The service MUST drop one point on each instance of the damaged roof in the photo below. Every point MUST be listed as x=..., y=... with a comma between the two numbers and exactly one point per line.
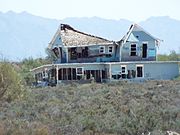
x=136, y=27
x=71, y=37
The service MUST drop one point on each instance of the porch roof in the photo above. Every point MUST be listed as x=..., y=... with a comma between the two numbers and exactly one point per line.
x=50, y=66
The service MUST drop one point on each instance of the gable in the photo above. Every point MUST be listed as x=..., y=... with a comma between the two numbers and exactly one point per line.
x=136, y=33
x=142, y=36
x=57, y=42
x=132, y=38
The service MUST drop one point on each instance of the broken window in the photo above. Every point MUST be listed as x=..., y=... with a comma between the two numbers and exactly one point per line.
x=133, y=50
x=85, y=52
x=131, y=74
x=80, y=71
x=102, y=49
x=139, y=69
x=123, y=71
x=110, y=49
x=56, y=51
x=73, y=53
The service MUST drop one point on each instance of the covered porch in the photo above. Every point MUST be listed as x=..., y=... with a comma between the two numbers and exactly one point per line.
x=71, y=72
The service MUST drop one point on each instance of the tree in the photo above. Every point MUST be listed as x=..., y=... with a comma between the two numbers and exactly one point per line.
x=172, y=56
x=10, y=83
x=28, y=64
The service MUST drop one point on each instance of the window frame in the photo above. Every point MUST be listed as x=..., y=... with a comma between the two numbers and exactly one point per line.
x=125, y=66
x=100, y=48
x=132, y=51
x=142, y=71
x=80, y=74
x=112, y=49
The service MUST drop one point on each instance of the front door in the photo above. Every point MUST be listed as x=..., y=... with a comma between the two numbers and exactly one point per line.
x=144, y=50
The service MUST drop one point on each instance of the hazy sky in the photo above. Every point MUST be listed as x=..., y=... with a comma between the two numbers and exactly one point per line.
x=134, y=10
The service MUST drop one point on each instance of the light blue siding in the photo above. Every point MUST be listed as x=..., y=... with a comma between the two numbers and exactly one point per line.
x=57, y=42
x=142, y=36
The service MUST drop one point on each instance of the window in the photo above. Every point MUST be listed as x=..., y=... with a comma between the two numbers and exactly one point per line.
x=102, y=49
x=110, y=49
x=80, y=71
x=139, y=70
x=123, y=71
x=144, y=50
x=73, y=53
x=56, y=51
x=133, y=49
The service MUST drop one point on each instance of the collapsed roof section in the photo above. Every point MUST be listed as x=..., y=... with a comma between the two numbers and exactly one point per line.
x=72, y=38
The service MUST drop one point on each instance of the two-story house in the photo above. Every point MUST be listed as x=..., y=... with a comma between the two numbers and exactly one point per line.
x=78, y=56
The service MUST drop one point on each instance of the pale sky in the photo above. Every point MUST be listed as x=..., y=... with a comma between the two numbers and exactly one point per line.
x=133, y=10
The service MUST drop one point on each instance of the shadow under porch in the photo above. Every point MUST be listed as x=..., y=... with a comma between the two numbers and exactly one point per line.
x=79, y=74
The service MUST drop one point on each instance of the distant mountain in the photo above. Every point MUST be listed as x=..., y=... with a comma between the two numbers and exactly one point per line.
x=24, y=35
x=166, y=29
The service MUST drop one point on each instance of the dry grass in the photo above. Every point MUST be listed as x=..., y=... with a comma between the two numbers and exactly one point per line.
x=116, y=108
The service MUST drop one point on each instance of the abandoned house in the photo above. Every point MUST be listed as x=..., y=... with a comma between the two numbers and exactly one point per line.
x=78, y=56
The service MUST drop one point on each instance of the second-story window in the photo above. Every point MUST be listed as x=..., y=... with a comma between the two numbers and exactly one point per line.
x=102, y=49
x=133, y=50
x=110, y=49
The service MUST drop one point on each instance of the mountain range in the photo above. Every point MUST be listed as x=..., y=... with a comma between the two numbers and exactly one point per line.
x=25, y=35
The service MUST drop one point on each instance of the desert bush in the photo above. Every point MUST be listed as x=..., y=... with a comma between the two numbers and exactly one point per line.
x=124, y=108
x=27, y=64
x=172, y=56
x=2, y=129
x=10, y=83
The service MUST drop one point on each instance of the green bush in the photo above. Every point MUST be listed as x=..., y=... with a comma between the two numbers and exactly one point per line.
x=10, y=83
x=28, y=64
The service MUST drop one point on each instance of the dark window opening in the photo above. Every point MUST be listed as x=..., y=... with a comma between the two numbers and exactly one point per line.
x=102, y=49
x=56, y=51
x=79, y=71
x=74, y=74
x=85, y=52
x=144, y=50
x=123, y=72
x=131, y=74
x=79, y=53
x=117, y=76
x=139, y=71
x=133, y=49
x=110, y=49
x=73, y=53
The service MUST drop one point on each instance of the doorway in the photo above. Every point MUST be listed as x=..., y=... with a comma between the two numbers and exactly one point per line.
x=139, y=71
x=144, y=50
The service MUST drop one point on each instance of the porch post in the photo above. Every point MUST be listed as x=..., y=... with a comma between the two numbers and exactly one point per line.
x=110, y=71
x=67, y=55
x=57, y=70
x=101, y=75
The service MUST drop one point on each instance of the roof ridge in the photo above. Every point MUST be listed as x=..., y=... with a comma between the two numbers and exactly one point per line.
x=66, y=26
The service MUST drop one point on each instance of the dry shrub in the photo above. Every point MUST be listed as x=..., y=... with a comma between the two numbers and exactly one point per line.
x=10, y=83
x=42, y=131
x=2, y=129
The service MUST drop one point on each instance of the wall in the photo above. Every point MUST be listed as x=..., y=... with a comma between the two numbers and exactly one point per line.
x=95, y=56
x=161, y=70
x=151, y=70
x=142, y=38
